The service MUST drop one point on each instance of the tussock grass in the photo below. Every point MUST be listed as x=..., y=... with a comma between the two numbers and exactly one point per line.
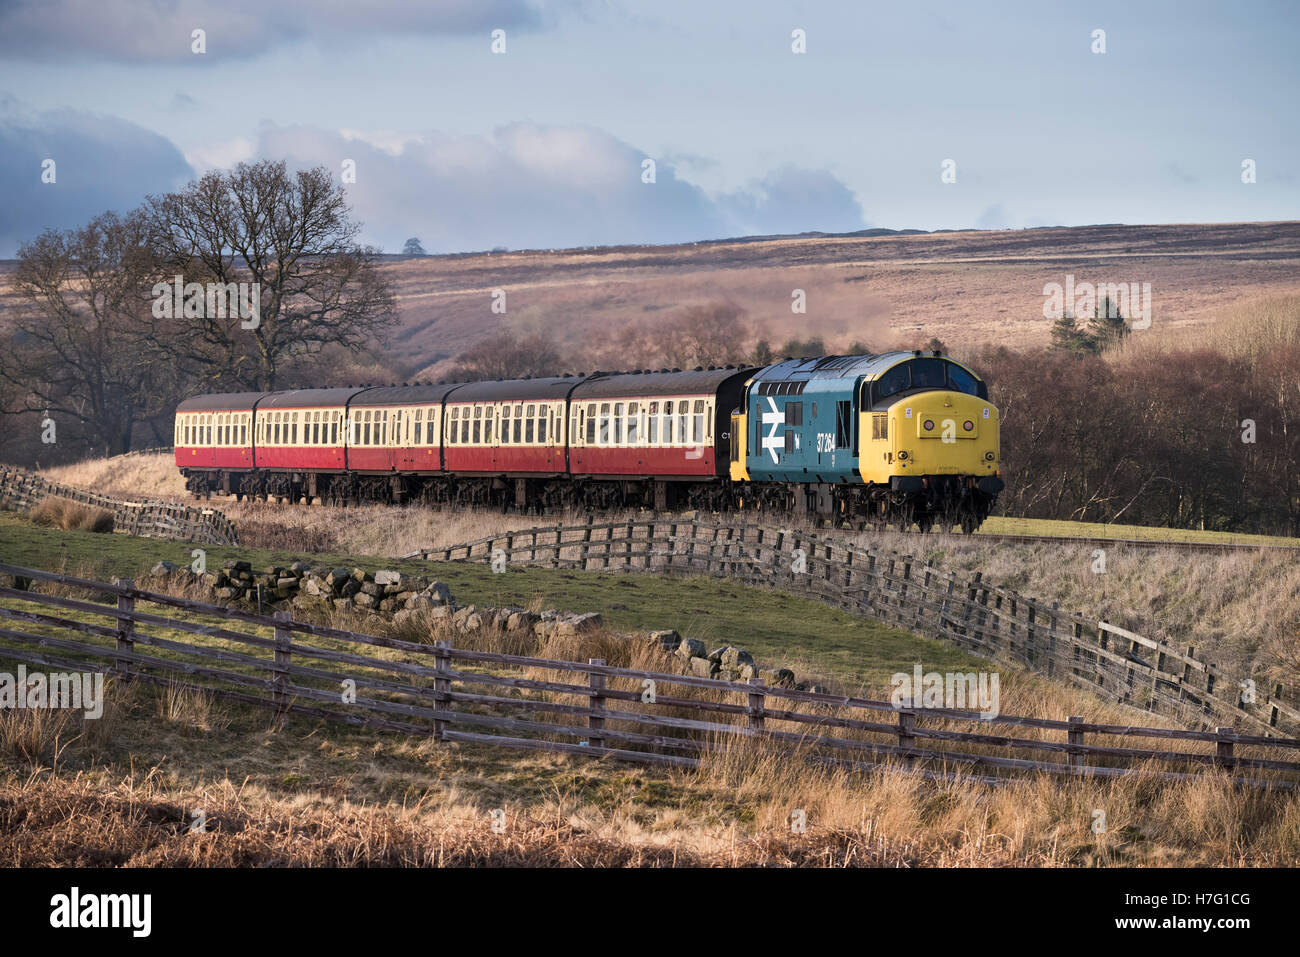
x=61, y=513
x=35, y=736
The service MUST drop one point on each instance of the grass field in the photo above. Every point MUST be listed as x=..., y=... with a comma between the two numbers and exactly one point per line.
x=776, y=628
x=1003, y=525
x=123, y=790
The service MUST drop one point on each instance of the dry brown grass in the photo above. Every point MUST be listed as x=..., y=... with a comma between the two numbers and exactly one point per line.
x=71, y=516
x=735, y=811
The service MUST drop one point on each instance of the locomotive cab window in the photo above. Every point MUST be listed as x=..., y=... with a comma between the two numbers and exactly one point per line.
x=893, y=381
x=960, y=380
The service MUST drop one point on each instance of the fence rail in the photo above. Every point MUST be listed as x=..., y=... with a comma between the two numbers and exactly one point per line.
x=988, y=620
x=147, y=519
x=592, y=709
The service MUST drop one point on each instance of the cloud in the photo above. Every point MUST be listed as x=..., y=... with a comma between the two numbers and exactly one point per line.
x=795, y=200
x=135, y=31
x=101, y=163
x=530, y=186
x=522, y=186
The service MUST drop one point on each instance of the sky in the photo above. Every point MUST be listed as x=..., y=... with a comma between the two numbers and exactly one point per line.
x=544, y=145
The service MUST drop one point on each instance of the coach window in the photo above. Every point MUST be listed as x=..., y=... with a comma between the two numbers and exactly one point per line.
x=699, y=422
x=455, y=437
x=489, y=414
x=478, y=424
x=589, y=424
x=528, y=425
x=618, y=423
x=506, y=415
x=683, y=422
x=633, y=423
x=275, y=429
x=519, y=425
x=243, y=430
x=603, y=430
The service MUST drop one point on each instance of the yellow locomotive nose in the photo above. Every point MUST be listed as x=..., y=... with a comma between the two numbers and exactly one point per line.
x=945, y=433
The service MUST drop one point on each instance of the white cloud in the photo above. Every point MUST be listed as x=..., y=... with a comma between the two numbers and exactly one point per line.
x=530, y=186
x=221, y=154
x=523, y=185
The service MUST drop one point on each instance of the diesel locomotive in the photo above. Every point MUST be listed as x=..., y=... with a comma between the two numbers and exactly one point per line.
x=901, y=439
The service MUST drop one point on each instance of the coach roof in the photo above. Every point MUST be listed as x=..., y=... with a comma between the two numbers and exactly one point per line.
x=220, y=402
x=403, y=394
x=511, y=390
x=307, y=398
x=632, y=384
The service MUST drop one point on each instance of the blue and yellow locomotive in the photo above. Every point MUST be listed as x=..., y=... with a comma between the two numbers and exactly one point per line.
x=892, y=439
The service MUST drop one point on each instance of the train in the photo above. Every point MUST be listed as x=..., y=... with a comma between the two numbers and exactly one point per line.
x=899, y=439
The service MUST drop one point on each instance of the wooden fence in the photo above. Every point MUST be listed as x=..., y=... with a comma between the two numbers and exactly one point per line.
x=990, y=621
x=186, y=523
x=454, y=694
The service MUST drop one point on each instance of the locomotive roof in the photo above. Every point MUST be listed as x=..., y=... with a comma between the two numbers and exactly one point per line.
x=841, y=367
x=219, y=402
x=695, y=382
x=541, y=389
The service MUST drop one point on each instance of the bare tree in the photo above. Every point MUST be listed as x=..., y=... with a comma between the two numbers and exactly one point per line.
x=505, y=356
x=83, y=348
x=293, y=236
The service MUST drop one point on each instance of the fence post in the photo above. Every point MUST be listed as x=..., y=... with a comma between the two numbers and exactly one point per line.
x=279, y=670
x=1075, y=736
x=441, y=685
x=596, y=702
x=1223, y=748
x=125, y=627
x=906, y=724
x=756, y=698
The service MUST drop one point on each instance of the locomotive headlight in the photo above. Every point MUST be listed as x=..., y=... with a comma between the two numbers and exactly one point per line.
x=929, y=425
x=968, y=425
x=988, y=456
x=902, y=456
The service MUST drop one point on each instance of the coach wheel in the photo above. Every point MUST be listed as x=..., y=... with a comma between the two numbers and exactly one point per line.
x=969, y=523
x=925, y=523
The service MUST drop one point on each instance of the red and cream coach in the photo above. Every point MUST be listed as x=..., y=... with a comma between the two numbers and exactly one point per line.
x=655, y=439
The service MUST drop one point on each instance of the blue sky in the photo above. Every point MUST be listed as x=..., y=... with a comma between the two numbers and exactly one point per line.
x=543, y=145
